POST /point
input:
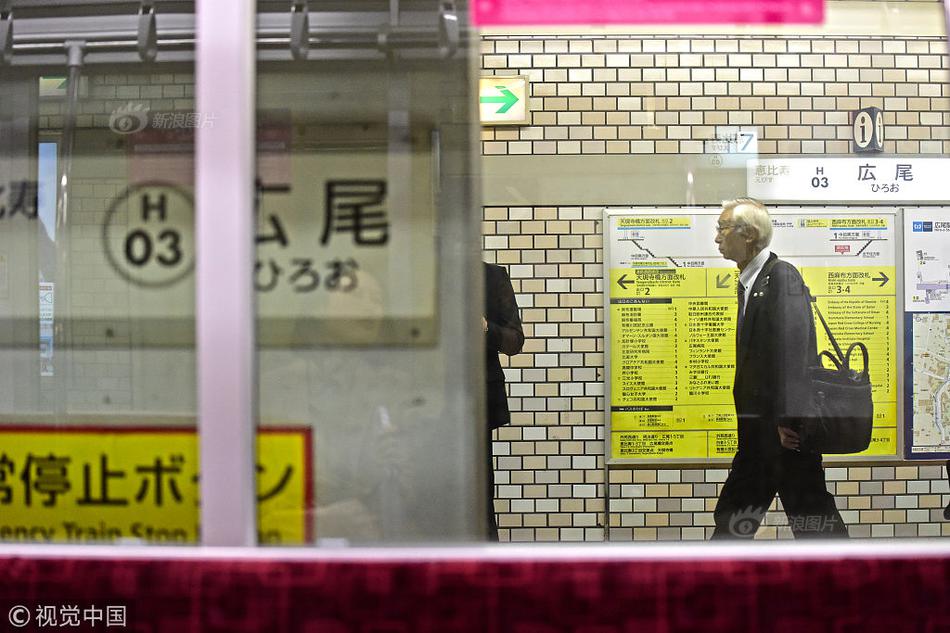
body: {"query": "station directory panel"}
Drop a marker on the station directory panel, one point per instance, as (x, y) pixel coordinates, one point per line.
(670, 311)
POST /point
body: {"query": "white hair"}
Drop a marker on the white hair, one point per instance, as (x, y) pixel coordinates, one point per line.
(752, 219)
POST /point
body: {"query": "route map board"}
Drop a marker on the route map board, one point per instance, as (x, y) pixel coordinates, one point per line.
(670, 331)
(927, 333)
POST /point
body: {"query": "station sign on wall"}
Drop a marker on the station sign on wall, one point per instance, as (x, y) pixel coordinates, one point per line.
(567, 12)
(345, 232)
(867, 178)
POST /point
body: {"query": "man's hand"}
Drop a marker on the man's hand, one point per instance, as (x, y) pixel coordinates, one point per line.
(484, 325)
(789, 438)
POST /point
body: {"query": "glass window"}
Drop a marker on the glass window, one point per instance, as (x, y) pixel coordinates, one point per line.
(367, 280)
(606, 155)
(97, 374)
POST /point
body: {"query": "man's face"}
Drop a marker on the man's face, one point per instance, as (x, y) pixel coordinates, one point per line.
(732, 243)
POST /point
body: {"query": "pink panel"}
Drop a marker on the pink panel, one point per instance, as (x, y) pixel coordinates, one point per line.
(566, 12)
(893, 593)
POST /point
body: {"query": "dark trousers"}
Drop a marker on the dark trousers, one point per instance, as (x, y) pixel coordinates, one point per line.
(490, 498)
(799, 480)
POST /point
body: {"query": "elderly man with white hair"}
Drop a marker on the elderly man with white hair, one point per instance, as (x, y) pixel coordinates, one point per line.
(775, 346)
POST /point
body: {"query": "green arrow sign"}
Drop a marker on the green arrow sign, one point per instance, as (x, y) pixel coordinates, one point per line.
(53, 86)
(507, 99)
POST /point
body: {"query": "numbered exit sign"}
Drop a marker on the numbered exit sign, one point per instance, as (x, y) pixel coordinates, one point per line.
(567, 12)
(503, 100)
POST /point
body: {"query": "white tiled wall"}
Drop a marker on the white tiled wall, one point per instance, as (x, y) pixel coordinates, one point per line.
(598, 95)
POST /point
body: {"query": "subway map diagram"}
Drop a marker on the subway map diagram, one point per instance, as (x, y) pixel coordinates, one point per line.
(687, 241)
(931, 280)
(928, 280)
(931, 390)
(927, 273)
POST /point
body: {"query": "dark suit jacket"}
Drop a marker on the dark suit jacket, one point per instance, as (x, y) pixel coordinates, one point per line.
(774, 351)
(504, 335)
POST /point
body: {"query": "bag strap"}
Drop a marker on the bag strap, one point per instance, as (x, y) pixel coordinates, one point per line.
(864, 352)
(834, 361)
(841, 356)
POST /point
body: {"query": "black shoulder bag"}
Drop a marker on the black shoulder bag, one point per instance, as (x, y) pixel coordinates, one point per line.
(844, 413)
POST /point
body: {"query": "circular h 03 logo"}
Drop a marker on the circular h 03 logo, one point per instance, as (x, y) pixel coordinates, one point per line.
(147, 234)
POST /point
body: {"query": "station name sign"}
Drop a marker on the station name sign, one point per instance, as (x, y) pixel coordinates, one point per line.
(869, 178)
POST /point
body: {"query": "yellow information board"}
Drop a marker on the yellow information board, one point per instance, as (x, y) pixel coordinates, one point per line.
(109, 484)
(672, 316)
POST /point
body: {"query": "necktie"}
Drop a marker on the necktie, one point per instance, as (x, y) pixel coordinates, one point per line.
(740, 315)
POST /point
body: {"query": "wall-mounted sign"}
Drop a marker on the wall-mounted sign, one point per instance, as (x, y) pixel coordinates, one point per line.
(927, 334)
(861, 179)
(112, 483)
(926, 386)
(566, 12)
(732, 146)
(731, 139)
(345, 230)
(670, 331)
(927, 265)
(867, 130)
(346, 255)
(54, 87)
(503, 100)
(143, 236)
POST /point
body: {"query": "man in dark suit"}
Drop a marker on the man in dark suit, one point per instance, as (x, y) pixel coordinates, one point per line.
(775, 346)
(502, 326)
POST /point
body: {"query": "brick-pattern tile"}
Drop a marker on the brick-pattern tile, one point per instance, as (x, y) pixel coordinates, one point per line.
(550, 460)
(637, 94)
(666, 95)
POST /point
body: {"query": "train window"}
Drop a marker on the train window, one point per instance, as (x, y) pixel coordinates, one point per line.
(242, 297)
(367, 277)
(98, 440)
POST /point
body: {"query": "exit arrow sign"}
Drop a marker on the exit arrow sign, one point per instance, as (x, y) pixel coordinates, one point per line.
(503, 100)
(507, 99)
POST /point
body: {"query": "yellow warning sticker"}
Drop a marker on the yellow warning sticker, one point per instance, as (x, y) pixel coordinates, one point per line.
(111, 484)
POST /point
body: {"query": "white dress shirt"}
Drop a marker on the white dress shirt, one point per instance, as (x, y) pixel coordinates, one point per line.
(748, 275)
